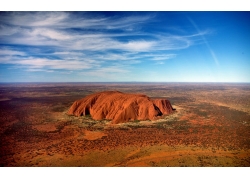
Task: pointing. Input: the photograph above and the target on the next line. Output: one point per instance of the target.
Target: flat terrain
(210, 127)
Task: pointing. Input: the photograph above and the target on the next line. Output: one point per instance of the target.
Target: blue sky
(124, 46)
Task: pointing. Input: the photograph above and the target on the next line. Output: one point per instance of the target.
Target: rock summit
(120, 107)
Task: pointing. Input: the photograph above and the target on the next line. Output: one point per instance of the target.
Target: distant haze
(124, 47)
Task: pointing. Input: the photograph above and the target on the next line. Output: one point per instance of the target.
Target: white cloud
(159, 57)
(42, 63)
(34, 18)
(5, 59)
(113, 57)
(51, 34)
(138, 45)
(112, 69)
(36, 70)
(70, 20)
(93, 47)
(173, 42)
(7, 55)
(111, 73)
(51, 29)
(159, 62)
(9, 52)
(7, 30)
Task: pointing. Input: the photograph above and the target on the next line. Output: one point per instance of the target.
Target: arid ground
(210, 127)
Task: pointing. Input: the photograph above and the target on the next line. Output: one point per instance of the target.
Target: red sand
(120, 107)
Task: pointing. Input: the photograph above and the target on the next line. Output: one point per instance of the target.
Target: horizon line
(119, 82)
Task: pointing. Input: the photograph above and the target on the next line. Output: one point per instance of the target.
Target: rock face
(120, 107)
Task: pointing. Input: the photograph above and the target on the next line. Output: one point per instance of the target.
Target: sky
(172, 46)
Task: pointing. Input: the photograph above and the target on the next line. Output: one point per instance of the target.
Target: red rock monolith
(120, 107)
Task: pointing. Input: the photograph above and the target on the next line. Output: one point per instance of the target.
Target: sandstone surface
(120, 107)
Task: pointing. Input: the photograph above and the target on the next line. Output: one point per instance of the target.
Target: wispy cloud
(54, 64)
(61, 20)
(35, 64)
(160, 57)
(10, 52)
(112, 73)
(84, 41)
(202, 35)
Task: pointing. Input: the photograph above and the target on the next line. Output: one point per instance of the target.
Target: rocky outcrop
(120, 107)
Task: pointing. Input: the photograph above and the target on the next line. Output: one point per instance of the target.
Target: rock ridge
(120, 107)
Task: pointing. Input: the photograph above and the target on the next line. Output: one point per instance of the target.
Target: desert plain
(210, 127)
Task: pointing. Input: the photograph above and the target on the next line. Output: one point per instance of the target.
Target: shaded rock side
(120, 107)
